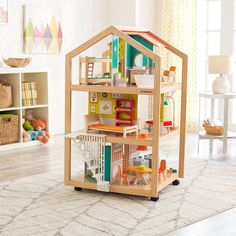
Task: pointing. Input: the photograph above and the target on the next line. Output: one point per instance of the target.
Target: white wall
(122, 12)
(80, 20)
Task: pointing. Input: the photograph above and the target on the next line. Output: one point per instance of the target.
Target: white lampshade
(222, 65)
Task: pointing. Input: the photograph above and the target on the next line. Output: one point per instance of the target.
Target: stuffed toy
(28, 116)
(39, 124)
(27, 126)
(26, 136)
(44, 138)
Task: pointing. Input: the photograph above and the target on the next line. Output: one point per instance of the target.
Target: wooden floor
(46, 158)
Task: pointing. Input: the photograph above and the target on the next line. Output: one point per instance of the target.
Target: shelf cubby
(15, 77)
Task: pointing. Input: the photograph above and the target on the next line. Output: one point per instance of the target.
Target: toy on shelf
(34, 129)
(93, 122)
(169, 76)
(162, 168)
(169, 172)
(125, 107)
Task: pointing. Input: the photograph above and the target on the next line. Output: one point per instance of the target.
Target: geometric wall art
(3, 12)
(42, 29)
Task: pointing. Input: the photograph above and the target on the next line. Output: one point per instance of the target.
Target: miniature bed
(93, 122)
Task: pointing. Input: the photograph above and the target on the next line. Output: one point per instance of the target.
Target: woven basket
(9, 128)
(214, 130)
(17, 62)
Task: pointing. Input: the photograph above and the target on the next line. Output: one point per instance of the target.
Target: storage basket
(5, 95)
(214, 130)
(9, 128)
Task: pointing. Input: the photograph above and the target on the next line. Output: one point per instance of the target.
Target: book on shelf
(29, 94)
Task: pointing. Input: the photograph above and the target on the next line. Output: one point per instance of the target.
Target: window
(216, 36)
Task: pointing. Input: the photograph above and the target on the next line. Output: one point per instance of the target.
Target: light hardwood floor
(47, 158)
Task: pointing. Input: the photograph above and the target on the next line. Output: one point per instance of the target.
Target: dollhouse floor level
(130, 139)
(140, 190)
(128, 90)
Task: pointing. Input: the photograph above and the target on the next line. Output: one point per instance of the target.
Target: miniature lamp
(221, 65)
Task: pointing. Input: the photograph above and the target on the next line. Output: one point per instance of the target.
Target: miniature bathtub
(144, 81)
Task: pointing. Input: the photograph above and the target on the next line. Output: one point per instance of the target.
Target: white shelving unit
(15, 77)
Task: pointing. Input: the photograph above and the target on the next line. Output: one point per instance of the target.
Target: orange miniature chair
(162, 168)
(123, 176)
(142, 148)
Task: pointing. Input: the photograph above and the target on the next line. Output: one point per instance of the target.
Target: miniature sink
(144, 81)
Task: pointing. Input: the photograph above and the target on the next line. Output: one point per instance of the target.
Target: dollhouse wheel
(176, 182)
(154, 199)
(78, 189)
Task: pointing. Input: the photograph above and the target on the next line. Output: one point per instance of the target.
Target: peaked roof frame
(112, 30)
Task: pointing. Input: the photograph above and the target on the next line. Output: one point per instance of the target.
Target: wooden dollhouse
(112, 136)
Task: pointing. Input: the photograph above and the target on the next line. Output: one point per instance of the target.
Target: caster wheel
(77, 189)
(176, 182)
(154, 199)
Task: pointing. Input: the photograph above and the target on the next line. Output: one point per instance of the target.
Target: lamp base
(220, 85)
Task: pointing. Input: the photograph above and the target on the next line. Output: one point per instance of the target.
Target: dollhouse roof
(124, 33)
(151, 38)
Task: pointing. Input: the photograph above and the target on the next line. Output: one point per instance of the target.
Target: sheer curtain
(216, 36)
(179, 27)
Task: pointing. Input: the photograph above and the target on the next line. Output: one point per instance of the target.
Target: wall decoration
(117, 95)
(3, 12)
(93, 109)
(104, 95)
(93, 97)
(105, 107)
(42, 29)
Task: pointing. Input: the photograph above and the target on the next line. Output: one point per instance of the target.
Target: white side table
(227, 135)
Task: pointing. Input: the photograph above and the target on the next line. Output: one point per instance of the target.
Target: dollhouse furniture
(227, 134)
(125, 106)
(124, 177)
(93, 122)
(162, 168)
(89, 77)
(126, 43)
(140, 174)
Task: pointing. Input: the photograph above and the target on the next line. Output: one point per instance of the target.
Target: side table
(227, 134)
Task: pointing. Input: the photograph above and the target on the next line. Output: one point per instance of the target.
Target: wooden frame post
(183, 115)
(68, 83)
(156, 128)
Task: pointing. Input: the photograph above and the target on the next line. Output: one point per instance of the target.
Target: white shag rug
(42, 205)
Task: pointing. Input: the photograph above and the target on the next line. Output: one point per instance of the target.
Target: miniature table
(227, 135)
(115, 129)
(140, 173)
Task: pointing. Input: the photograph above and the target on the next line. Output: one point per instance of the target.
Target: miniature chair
(162, 168)
(123, 176)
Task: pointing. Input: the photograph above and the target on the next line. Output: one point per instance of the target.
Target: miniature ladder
(90, 70)
(92, 151)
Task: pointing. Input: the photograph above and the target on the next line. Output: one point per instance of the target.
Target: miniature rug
(42, 205)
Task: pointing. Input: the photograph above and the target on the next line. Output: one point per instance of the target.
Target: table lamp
(221, 65)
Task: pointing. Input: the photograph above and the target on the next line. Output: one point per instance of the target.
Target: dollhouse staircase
(91, 151)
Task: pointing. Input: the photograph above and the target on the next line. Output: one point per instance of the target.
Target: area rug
(42, 205)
